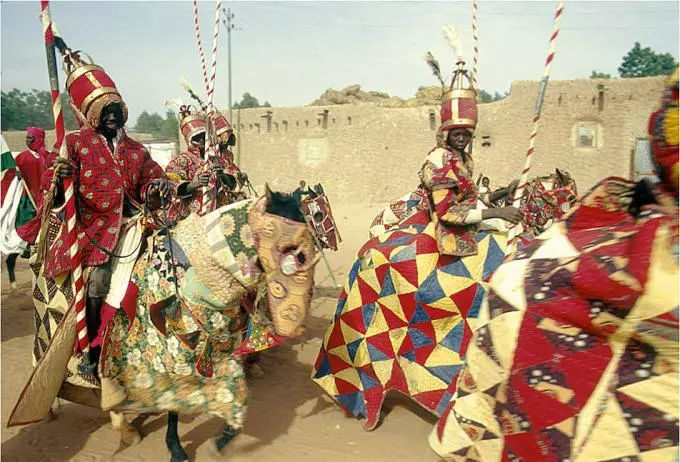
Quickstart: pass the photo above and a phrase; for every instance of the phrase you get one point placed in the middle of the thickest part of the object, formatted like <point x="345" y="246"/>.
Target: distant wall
<point x="16" y="139"/>
<point x="366" y="153"/>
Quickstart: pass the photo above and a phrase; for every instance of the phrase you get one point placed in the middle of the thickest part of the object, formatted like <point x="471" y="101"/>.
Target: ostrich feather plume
<point x="453" y="38"/>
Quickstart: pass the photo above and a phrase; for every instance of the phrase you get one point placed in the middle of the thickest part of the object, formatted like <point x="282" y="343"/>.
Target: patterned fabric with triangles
<point x="403" y="320"/>
<point x="576" y="354"/>
<point x="51" y="299"/>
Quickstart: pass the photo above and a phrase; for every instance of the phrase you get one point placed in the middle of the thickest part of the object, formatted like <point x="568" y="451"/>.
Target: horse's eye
<point x="301" y="258"/>
<point x="289" y="265"/>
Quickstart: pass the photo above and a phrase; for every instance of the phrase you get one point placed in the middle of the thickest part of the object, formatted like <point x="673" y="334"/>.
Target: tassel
<point x="434" y="65"/>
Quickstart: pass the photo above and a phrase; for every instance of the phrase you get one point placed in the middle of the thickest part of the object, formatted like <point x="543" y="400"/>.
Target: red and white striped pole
<point x="70" y="207"/>
<point x="475" y="44"/>
<point x="200" y="45"/>
<point x="210" y="139"/>
<point x="524" y="178"/>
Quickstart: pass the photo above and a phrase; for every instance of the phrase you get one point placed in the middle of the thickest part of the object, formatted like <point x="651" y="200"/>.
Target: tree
<point x="21" y="109"/>
<point x="249" y="101"/>
<point x="489" y="98"/>
<point x="149" y="123"/>
<point x="170" y="128"/>
<point x="155" y="125"/>
<point x="644" y="62"/>
<point x="600" y="75"/>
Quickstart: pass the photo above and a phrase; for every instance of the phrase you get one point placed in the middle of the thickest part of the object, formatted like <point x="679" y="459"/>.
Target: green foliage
<point x="154" y="124"/>
<point x="21" y="109"/>
<point x="600" y="75"/>
<point x="644" y="62"/>
<point x="489" y="98"/>
<point x="249" y="101"/>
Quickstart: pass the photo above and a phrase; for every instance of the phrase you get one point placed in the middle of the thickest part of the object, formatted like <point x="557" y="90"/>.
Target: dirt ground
<point x="289" y="417"/>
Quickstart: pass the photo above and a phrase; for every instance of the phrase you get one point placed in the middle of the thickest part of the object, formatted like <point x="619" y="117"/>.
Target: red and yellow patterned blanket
<point x="577" y="356"/>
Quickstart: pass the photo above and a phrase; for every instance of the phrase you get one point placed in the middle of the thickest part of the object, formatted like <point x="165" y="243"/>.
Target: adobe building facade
<point x="365" y="153"/>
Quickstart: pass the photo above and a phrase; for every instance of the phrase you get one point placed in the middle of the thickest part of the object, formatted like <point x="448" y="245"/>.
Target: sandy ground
<point x="289" y="417"/>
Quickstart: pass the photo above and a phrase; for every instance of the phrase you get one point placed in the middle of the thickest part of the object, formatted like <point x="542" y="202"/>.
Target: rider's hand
<point x="201" y="182"/>
<point x="159" y="189"/>
<point x="63" y="168"/>
<point x="511" y="214"/>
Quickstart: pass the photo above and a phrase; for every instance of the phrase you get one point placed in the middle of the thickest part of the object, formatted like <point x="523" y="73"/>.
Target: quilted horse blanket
<point x="56" y="370"/>
<point x="185" y="357"/>
<point x="403" y="320"/>
<point x="576" y="353"/>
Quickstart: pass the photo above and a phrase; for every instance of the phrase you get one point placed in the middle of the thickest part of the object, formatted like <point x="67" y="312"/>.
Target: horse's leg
<point x="253" y="369"/>
<point x="172" y="439"/>
<point x="11" y="263"/>
<point x="128" y="434"/>
<point x="225" y="438"/>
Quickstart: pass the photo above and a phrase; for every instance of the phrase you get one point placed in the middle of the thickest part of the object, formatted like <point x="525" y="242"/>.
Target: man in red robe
<point x="31" y="164"/>
<point x="114" y="178"/>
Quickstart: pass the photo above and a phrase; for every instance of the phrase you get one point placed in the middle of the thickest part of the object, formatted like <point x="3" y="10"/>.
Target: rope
<point x="70" y="209"/>
<point x="475" y="41"/>
<point x="516" y="230"/>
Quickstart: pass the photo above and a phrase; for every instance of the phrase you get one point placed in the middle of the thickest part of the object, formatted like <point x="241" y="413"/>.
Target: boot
<point x="93" y="317"/>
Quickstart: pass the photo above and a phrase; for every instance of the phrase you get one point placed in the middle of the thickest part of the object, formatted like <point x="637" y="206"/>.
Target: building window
<point x="349" y="121"/>
<point x="433" y="121"/>
<point x="587" y="135"/>
<point x="486" y="141"/>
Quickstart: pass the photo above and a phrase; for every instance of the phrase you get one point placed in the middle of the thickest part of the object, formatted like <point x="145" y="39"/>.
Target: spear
<point x="69" y="197"/>
<point x="514" y="232"/>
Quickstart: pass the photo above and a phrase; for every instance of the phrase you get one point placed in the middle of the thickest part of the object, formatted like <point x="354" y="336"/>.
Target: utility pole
<point x="227" y="20"/>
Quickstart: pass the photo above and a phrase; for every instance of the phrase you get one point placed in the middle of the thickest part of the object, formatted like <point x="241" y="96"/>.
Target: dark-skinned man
<point x="114" y="179"/>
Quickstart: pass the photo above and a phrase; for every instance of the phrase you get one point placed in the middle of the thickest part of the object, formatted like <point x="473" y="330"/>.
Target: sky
<point x="288" y="53"/>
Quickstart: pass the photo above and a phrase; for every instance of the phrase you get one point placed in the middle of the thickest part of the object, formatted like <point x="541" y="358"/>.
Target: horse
<point x="175" y="343"/>
<point x="543" y="197"/>
<point x="576" y="357"/>
<point x="405" y="316"/>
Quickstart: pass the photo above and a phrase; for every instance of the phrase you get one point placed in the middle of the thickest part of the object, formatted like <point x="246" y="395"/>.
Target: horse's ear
<point x="268" y="193"/>
<point x="562" y="176"/>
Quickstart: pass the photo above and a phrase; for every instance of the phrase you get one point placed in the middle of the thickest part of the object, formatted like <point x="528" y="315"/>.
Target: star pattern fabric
<point x="403" y="320"/>
<point x="576" y="352"/>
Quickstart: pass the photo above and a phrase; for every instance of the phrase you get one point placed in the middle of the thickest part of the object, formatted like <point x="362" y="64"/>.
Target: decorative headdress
<point x="663" y="129"/>
<point x="90" y="88"/>
<point x="459" y="101"/>
<point x="223" y="129"/>
<point x="191" y="122"/>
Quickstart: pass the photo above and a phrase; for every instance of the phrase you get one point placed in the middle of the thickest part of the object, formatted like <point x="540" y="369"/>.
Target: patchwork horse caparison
<point x="575" y="356"/>
<point x="176" y="343"/>
<point x="406" y="314"/>
<point x="544" y="199"/>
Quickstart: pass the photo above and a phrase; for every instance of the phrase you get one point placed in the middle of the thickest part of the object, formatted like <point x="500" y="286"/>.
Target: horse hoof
<point x="254" y="371"/>
<point x="179" y="457"/>
<point x="130" y="438"/>
<point x="50" y="416"/>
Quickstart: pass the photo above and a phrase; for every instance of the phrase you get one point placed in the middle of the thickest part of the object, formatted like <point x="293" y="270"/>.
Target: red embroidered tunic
<point x="181" y="170"/>
<point x="448" y="181"/>
<point x="102" y="180"/>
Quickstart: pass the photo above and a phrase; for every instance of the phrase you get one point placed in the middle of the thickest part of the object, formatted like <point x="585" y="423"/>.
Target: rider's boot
<point x="92" y="316"/>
